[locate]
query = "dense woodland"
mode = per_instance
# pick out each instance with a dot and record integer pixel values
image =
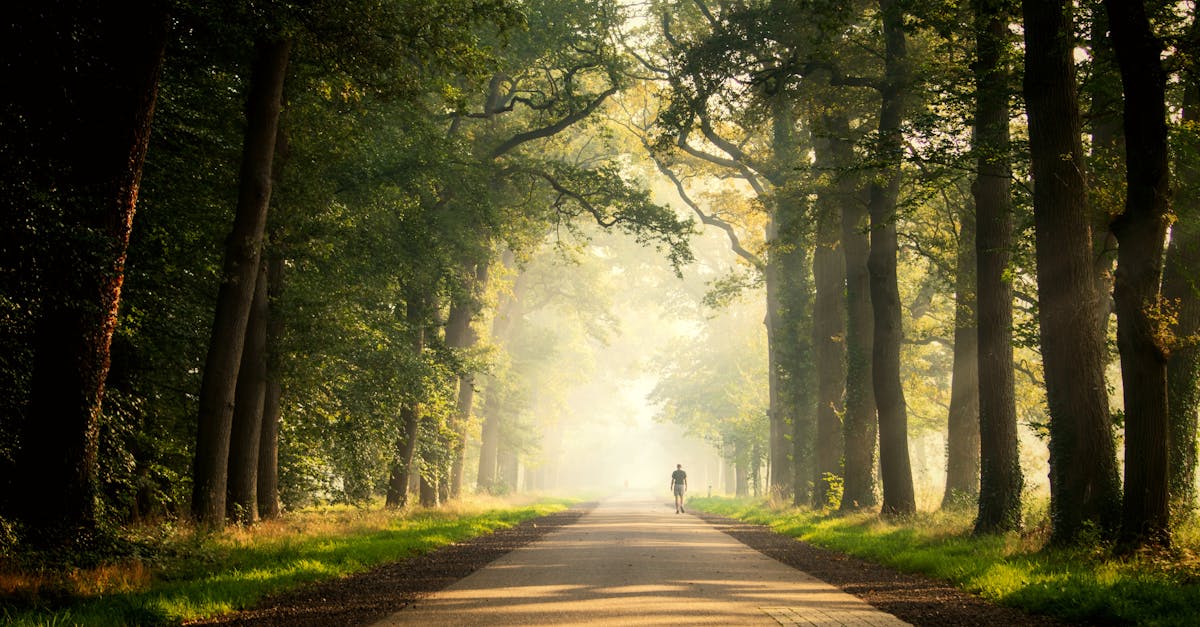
(261, 255)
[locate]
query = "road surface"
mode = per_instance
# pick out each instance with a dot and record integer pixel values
(634, 561)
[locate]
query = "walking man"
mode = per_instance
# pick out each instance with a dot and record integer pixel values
(679, 486)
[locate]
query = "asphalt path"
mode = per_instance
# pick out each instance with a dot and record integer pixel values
(634, 561)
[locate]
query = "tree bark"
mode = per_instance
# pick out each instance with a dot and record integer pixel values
(1141, 234)
(962, 420)
(246, 432)
(410, 415)
(461, 336)
(1182, 290)
(489, 439)
(833, 153)
(1001, 480)
(894, 467)
(429, 492)
(83, 83)
(779, 464)
(242, 253)
(860, 425)
(1105, 163)
(1084, 486)
(268, 450)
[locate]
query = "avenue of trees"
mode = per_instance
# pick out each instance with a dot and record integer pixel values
(270, 254)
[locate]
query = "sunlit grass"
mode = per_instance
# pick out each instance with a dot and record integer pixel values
(1085, 585)
(190, 574)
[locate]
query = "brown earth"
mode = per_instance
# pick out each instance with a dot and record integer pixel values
(372, 595)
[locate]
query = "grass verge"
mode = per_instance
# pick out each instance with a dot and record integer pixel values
(185, 574)
(1083, 585)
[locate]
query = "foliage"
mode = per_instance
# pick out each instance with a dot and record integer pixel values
(713, 384)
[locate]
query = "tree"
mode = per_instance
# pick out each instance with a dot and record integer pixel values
(1083, 474)
(73, 157)
(1000, 482)
(1181, 291)
(241, 503)
(895, 471)
(242, 260)
(834, 154)
(1141, 234)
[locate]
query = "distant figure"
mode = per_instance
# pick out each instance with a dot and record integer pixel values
(679, 486)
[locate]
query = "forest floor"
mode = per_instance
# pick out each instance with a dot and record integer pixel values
(373, 595)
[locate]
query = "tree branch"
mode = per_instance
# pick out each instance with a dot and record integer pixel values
(553, 129)
(734, 242)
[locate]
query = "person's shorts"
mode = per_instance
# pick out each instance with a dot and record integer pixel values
(679, 490)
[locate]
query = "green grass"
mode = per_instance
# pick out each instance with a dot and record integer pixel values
(195, 575)
(1083, 585)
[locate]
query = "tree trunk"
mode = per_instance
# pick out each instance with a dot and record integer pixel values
(833, 153)
(268, 445)
(859, 426)
(1084, 486)
(894, 467)
(1001, 480)
(741, 466)
(429, 491)
(489, 438)
(962, 439)
(508, 466)
(268, 450)
(1106, 162)
(242, 254)
(779, 466)
(410, 416)
(83, 83)
(801, 402)
(461, 336)
(245, 436)
(1141, 234)
(1181, 289)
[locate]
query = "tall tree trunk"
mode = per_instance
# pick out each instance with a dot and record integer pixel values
(242, 254)
(269, 506)
(1141, 234)
(779, 465)
(894, 467)
(741, 467)
(962, 441)
(792, 340)
(76, 126)
(415, 313)
(1106, 162)
(245, 434)
(802, 399)
(268, 448)
(489, 438)
(508, 466)
(859, 426)
(461, 336)
(833, 153)
(1182, 290)
(1001, 480)
(1084, 486)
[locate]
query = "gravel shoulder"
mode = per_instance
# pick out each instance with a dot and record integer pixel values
(373, 595)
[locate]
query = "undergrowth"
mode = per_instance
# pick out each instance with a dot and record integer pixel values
(179, 573)
(1085, 584)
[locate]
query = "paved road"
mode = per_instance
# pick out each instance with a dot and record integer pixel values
(634, 561)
